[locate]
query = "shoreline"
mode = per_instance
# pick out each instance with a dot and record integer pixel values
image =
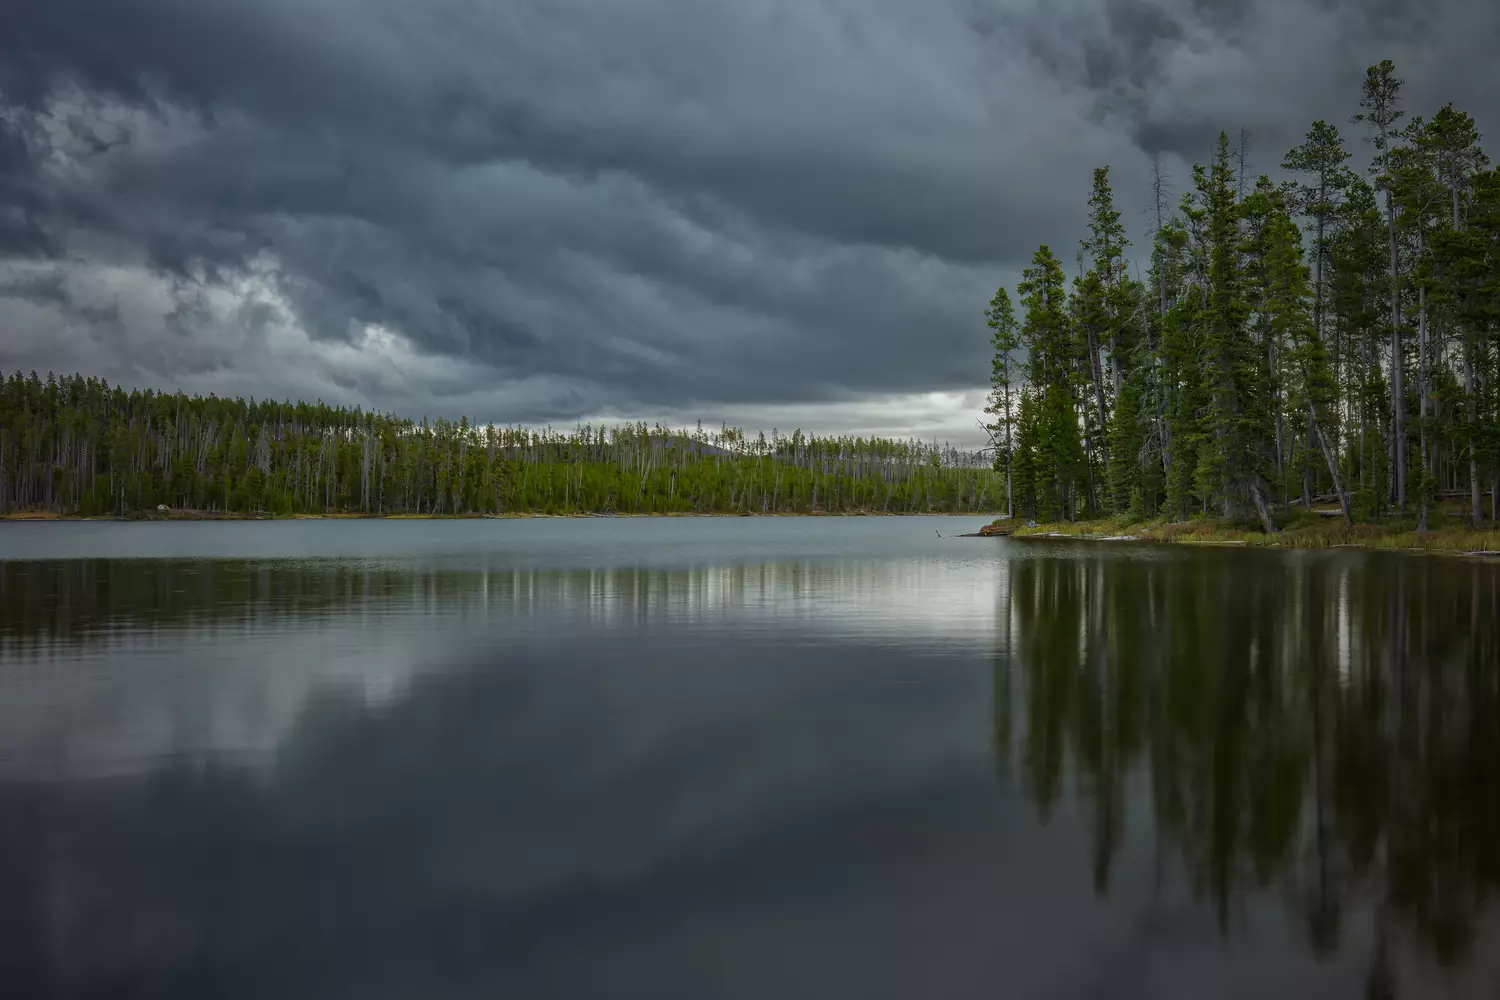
(1451, 541)
(1306, 536)
(191, 515)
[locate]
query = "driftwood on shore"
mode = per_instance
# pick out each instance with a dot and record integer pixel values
(995, 530)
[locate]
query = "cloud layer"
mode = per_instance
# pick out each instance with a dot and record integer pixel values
(548, 211)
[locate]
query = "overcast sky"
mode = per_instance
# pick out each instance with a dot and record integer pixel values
(771, 212)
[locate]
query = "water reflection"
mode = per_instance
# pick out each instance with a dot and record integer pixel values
(1324, 730)
(68, 605)
(1260, 774)
(608, 795)
(109, 666)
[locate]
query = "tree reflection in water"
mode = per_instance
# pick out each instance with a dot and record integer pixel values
(1325, 728)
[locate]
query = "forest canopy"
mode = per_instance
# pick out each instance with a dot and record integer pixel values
(76, 445)
(1331, 338)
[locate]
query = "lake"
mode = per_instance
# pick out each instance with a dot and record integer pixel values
(739, 757)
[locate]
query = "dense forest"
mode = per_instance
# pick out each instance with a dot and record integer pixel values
(1332, 338)
(77, 445)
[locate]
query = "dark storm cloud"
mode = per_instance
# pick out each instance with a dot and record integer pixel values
(547, 210)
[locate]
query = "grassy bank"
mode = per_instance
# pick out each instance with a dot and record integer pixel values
(1303, 531)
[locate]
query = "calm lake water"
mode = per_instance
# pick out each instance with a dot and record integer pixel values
(702, 758)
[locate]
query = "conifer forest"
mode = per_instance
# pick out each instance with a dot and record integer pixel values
(1331, 339)
(76, 445)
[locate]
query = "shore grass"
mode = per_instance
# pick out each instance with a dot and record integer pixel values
(1302, 531)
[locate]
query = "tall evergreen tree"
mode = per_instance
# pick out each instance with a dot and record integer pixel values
(1357, 257)
(1381, 101)
(1290, 322)
(1106, 246)
(1321, 158)
(1419, 198)
(1003, 400)
(1451, 141)
(1232, 457)
(1050, 370)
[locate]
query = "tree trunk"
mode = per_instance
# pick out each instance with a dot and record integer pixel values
(1422, 386)
(1097, 370)
(1258, 496)
(1398, 391)
(1307, 471)
(1364, 373)
(1476, 510)
(1330, 459)
(1114, 365)
(1092, 498)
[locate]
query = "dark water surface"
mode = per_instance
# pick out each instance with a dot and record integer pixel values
(710, 758)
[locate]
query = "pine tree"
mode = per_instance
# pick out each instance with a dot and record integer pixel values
(1418, 196)
(1057, 454)
(1126, 442)
(1167, 354)
(1358, 292)
(1382, 109)
(1232, 458)
(1106, 246)
(1290, 322)
(1321, 159)
(1088, 320)
(1260, 212)
(1024, 464)
(1451, 145)
(1005, 340)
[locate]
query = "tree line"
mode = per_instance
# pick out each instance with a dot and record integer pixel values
(1334, 337)
(77, 445)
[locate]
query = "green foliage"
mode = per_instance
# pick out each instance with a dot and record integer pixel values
(1236, 392)
(1052, 435)
(1333, 335)
(1126, 437)
(1025, 465)
(1003, 400)
(79, 446)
